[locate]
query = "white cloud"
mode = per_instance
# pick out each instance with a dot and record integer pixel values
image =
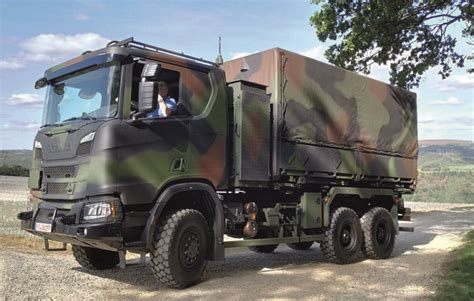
(448, 101)
(426, 118)
(10, 65)
(456, 82)
(48, 47)
(81, 17)
(25, 99)
(53, 47)
(316, 53)
(21, 125)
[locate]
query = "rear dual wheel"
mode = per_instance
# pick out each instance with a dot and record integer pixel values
(379, 233)
(343, 237)
(374, 233)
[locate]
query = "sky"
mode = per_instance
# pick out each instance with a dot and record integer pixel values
(36, 35)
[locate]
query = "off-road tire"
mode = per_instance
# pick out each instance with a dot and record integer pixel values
(264, 232)
(343, 237)
(300, 246)
(95, 259)
(177, 235)
(379, 233)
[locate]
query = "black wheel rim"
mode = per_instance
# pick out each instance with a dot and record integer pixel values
(382, 233)
(347, 236)
(189, 249)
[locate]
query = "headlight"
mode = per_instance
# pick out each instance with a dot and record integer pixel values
(38, 144)
(87, 138)
(108, 210)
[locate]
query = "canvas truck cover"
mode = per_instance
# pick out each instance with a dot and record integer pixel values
(317, 104)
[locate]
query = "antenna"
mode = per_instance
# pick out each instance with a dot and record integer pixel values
(219, 59)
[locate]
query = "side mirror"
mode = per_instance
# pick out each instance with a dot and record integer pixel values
(40, 83)
(148, 91)
(147, 97)
(150, 71)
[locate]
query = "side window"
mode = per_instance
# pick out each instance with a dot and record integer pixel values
(170, 77)
(191, 89)
(196, 89)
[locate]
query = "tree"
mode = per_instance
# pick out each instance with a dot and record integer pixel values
(410, 36)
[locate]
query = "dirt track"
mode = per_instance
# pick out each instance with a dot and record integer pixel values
(412, 271)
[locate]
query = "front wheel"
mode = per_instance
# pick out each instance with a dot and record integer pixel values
(95, 259)
(179, 251)
(379, 233)
(343, 238)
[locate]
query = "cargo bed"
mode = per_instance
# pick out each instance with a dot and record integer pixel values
(318, 121)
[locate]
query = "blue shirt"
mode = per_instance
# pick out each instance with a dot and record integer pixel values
(170, 104)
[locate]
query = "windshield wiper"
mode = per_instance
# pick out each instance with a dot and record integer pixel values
(50, 124)
(81, 118)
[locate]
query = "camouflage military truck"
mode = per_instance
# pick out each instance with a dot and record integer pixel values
(272, 148)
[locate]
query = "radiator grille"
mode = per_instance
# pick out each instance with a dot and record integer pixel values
(60, 172)
(56, 188)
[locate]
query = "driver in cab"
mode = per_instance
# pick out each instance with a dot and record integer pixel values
(166, 104)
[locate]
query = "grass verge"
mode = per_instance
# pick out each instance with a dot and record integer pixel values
(458, 282)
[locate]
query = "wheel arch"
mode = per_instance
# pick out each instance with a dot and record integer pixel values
(359, 199)
(191, 195)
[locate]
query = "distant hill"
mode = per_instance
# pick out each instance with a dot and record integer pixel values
(451, 155)
(16, 157)
(430, 142)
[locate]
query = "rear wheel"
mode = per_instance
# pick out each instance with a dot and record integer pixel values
(95, 259)
(301, 245)
(343, 238)
(379, 233)
(179, 251)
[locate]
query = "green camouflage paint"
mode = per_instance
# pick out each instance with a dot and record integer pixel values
(333, 121)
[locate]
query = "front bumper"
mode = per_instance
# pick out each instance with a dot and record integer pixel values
(103, 236)
(64, 223)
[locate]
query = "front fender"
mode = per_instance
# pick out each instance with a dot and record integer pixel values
(218, 226)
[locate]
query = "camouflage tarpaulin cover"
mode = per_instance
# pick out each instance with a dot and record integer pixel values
(317, 103)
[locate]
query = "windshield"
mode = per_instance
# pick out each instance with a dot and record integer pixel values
(92, 94)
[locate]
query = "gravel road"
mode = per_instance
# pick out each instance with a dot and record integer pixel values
(411, 272)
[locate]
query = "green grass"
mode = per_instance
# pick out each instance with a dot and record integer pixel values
(466, 167)
(458, 282)
(444, 187)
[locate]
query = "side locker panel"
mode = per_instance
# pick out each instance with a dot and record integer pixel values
(251, 133)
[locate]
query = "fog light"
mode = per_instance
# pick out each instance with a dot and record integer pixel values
(85, 232)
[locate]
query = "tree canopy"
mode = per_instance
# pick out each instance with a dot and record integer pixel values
(410, 36)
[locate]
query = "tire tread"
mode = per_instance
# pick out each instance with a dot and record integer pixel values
(162, 244)
(328, 246)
